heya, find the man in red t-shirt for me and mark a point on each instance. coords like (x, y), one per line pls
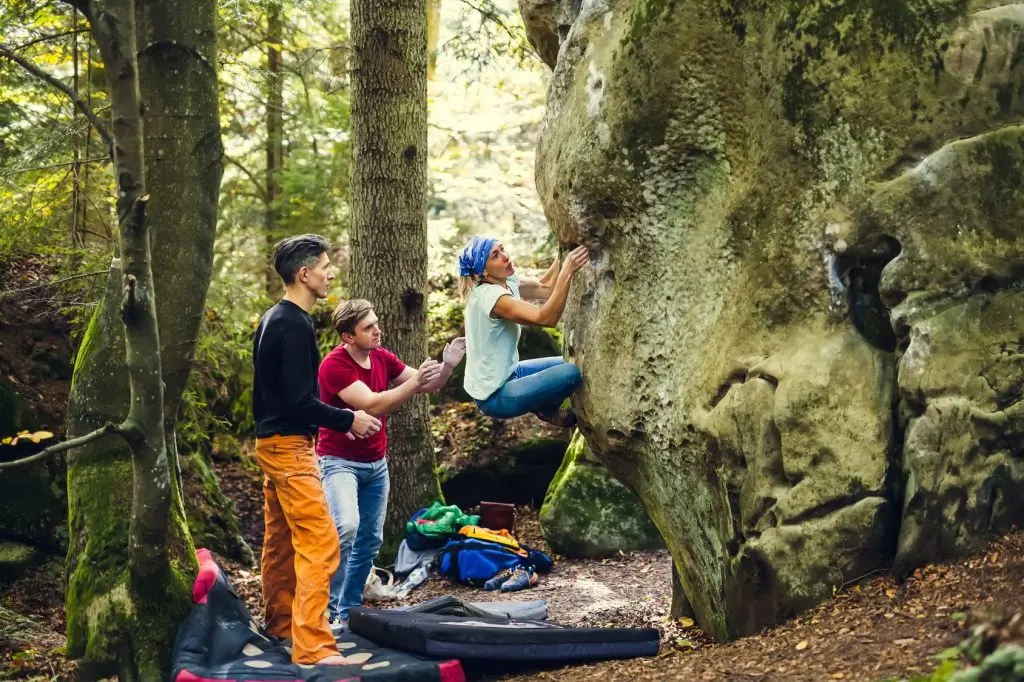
(356, 375)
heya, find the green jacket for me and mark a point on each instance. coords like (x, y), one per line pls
(440, 520)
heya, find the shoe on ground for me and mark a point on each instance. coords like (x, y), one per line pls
(522, 577)
(339, 625)
(499, 578)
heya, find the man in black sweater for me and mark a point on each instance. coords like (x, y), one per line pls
(300, 544)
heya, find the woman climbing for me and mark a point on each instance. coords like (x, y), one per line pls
(502, 386)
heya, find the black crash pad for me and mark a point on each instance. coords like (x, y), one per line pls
(474, 637)
(220, 642)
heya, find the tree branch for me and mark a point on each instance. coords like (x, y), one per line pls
(106, 430)
(5, 51)
(51, 36)
(236, 163)
(8, 294)
(80, 162)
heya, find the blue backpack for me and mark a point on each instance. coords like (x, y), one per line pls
(473, 561)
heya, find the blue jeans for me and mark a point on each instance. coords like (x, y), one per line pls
(536, 386)
(357, 496)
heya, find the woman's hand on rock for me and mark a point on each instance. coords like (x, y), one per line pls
(576, 259)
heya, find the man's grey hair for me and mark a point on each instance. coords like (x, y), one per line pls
(291, 254)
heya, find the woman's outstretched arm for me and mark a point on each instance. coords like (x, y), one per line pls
(548, 314)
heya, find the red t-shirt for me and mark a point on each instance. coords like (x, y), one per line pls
(338, 371)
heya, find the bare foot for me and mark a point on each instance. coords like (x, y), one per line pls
(337, 659)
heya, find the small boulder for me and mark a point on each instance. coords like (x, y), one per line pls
(588, 513)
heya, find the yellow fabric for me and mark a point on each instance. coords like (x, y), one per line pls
(501, 536)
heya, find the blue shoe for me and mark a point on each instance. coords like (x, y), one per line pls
(499, 578)
(523, 577)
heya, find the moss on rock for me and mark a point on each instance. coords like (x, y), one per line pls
(779, 197)
(15, 558)
(587, 513)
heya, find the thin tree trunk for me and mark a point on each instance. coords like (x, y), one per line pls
(275, 137)
(433, 33)
(126, 599)
(389, 221)
(76, 139)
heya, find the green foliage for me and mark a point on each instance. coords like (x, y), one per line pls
(941, 674)
(218, 397)
(487, 101)
(485, 32)
(313, 178)
(48, 202)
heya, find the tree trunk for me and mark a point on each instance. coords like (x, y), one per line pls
(126, 600)
(389, 222)
(433, 33)
(275, 138)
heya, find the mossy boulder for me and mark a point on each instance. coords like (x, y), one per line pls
(800, 331)
(588, 513)
(15, 558)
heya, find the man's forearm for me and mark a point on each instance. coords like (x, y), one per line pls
(386, 401)
(446, 371)
(318, 413)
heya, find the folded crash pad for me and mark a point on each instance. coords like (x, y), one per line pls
(219, 641)
(470, 637)
(536, 609)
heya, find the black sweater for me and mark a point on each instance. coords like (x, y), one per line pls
(285, 358)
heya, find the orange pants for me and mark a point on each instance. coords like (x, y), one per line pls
(300, 547)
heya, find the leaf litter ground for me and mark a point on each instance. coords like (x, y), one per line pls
(876, 629)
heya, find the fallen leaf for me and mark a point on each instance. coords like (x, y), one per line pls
(686, 622)
(890, 615)
(891, 593)
(838, 676)
(802, 645)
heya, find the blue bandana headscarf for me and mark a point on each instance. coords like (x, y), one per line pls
(474, 255)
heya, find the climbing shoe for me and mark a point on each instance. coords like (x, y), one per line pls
(561, 417)
(522, 577)
(499, 578)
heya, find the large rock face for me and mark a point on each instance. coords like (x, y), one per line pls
(801, 337)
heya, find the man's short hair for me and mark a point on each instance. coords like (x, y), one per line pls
(348, 314)
(291, 254)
